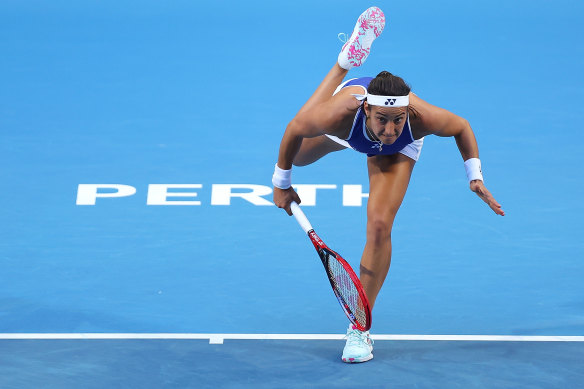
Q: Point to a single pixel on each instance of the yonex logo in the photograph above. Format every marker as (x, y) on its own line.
(390, 101)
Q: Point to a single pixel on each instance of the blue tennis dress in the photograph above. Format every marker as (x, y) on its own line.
(358, 138)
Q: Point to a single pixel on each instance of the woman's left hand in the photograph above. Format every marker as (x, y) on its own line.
(479, 188)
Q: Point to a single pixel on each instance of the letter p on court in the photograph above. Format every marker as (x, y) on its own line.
(87, 194)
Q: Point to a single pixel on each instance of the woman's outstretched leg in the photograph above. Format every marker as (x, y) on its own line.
(326, 88)
(355, 51)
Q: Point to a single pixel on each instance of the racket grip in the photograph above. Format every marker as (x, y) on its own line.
(300, 217)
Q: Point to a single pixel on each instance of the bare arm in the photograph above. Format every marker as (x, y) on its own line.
(325, 118)
(440, 122)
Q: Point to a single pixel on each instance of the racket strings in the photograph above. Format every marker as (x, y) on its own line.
(346, 288)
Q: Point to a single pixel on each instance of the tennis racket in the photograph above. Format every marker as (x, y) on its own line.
(344, 281)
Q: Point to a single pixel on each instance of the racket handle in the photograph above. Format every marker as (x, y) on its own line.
(300, 217)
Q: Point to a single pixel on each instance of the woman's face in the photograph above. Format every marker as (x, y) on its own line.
(387, 123)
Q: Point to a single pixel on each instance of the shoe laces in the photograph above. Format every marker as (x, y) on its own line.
(355, 337)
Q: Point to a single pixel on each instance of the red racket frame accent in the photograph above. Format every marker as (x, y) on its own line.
(320, 245)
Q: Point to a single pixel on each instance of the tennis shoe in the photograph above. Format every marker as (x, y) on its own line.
(359, 346)
(369, 26)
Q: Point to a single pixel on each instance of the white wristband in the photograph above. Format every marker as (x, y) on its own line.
(473, 169)
(282, 178)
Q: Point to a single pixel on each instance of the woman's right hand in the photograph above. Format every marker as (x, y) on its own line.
(283, 198)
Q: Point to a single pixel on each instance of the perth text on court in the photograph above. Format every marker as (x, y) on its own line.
(220, 194)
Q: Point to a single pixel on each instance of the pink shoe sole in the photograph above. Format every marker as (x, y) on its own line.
(368, 27)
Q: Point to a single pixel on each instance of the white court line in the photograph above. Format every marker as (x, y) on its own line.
(219, 338)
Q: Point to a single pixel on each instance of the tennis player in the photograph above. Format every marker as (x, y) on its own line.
(382, 118)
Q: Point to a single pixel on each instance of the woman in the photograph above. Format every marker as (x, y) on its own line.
(379, 117)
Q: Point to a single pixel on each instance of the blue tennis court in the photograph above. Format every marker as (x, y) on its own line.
(140, 245)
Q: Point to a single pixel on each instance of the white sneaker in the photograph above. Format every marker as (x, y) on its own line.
(369, 26)
(359, 346)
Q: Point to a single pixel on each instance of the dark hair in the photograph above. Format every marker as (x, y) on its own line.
(386, 84)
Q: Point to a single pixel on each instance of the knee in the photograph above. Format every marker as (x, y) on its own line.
(379, 230)
(300, 161)
(311, 150)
